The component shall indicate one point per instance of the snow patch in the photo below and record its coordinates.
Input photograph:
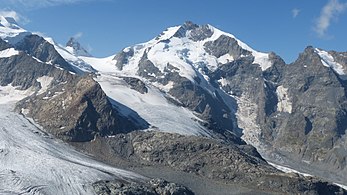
(286, 169)
(262, 59)
(8, 53)
(11, 94)
(45, 81)
(224, 82)
(329, 61)
(225, 59)
(284, 104)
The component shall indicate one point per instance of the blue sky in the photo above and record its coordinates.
(106, 26)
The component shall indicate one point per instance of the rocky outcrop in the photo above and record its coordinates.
(208, 158)
(136, 84)
(76, 110)
(225, 45)
(123, 58)
(196, 32)
(152, 187)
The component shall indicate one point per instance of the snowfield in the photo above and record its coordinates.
(153, 107)
(34, 163)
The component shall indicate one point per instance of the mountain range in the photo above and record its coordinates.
(195, 106)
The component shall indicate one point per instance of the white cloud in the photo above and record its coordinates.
(295, 12)
(330, 12)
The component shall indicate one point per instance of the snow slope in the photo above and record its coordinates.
(329, 61)
(8, 53)
(152, 106)
(34, 163)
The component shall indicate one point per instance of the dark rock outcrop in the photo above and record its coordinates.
(136, 84)
(77, 110)
(152, 187)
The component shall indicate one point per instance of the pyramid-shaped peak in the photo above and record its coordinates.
(74, 47)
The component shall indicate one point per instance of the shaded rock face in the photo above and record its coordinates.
(208, 158)
(39, 48)
(136, 84)
(22, 71)
(152, 187)
(76, 110)
(123, 57)
(225, 45)
(4, 45)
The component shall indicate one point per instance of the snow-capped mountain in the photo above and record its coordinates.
(232, 88)
(142, 105)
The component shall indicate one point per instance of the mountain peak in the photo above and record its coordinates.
(194, 32)
(75, 47)
(9, 22)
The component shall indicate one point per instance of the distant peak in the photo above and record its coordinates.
(75, 48)
(9, 22)
(189, 25)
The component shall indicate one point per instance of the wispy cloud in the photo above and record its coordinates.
(33, 4)
(78, 35)
(329, 12)
(295, 12)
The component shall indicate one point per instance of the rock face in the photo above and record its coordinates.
(310, 121)
(78, 111)
(207, 158)
(152, 187)
(39, 48)
(136, 84)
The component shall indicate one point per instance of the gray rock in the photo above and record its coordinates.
(39, 48)
(208, 158)
(136, 84)
(225, 45)
(196, 32)
(152, 187)
(77, 48)
(77, 110)
(4, 45)
(123, 57)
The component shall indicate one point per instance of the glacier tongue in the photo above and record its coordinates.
(34, 163)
